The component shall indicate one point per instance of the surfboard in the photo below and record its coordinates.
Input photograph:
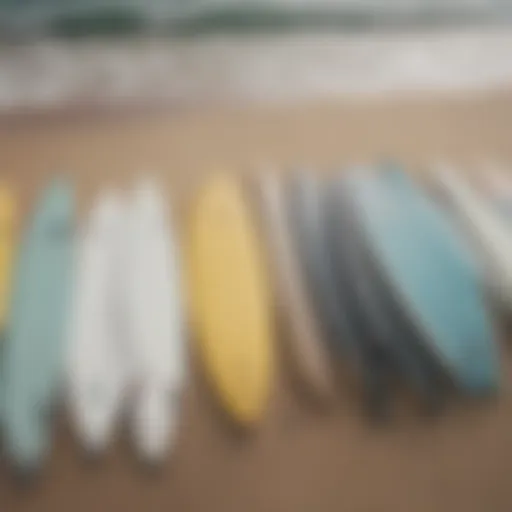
(487, 231)
(303, 337)
(374, 303)
(155, 322)
(8, 218)
(33, 358)
(341, 244)
(428, 267)
(309, 232)
(97, 357)
(230, 299)
(347, 338)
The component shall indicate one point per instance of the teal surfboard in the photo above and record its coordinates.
(429, 269)
(33, 357)
(377, 310)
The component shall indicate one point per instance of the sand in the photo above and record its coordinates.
(299, 459)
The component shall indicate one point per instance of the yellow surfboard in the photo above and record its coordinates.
(7, 228)
(230, 299)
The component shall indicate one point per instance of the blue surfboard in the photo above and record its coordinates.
(430, 271)
(33, 357)
(381, 317)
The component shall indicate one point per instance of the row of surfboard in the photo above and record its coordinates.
(366, 270)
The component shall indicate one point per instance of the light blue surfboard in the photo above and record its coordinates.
(33, 355)
(429, 268)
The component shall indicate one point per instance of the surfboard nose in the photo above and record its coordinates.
(148, 197)
(55, 206)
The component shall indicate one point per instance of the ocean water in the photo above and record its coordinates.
(197, 17)
(230, 68)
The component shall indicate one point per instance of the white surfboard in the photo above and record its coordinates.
(154, 322)
(486, 228)
(97, 363)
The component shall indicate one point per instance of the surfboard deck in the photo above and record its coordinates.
(347, 338)
(376, 362)
(486, 230)
(36, 334)
(344, 339)
(429, 269)
(157, 333)
(303, 337)
(229, 295)
(376, 304)
(97, 360)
